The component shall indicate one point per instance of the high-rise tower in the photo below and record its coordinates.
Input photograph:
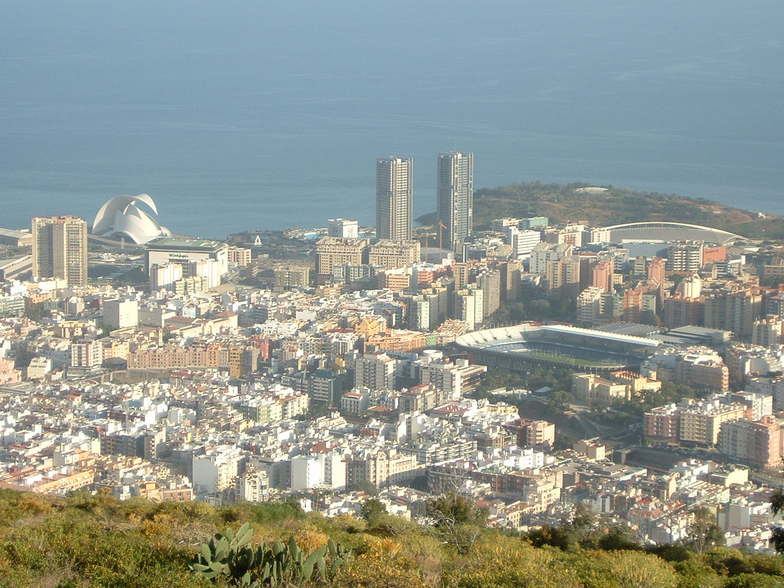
(60, 249)
(455, 197)
(394, 197)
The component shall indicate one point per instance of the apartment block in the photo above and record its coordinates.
(757, 443)
(388, 254)
(334, 251)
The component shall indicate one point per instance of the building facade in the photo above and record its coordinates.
(60, 249)
(455, 197)
(335, 251)
(343, 228)
(388, 254)
(394, 198)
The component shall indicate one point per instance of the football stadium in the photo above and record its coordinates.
(669, 231)
(521, 347)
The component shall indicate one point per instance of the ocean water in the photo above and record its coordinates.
(236, 115)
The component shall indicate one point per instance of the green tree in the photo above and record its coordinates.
(559, 400)
(777, 501)
(703, 533)
(583, 519)
(457, 519)
(372, 509)
(777, 506)
(583, 525)
(561, 537)
(539, 309)
(455, 509)
(617, 538)
(367, 487)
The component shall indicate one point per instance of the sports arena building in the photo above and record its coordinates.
(668, 231)
(523, 346)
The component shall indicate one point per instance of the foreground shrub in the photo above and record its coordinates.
(621, 569)
(754, 581)
(67, 548)
(382, 566)
(228, 558)
(95, 540)
(498, 561)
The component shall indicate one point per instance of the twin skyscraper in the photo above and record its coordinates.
(455, 198)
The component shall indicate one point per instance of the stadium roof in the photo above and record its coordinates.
(668, 231)
(631, 339)
(499, 336)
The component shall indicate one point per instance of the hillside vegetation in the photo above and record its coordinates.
(97, 541)
(568, 203)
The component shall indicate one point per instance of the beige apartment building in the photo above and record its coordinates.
(767, 332)
(563, 276)
(335, 251)
(291, 276)
(381, 468)
(591, 388)
(532, 432)
(702, 373)
(238, 256)
(701, 424)
(757, 443)
(174, 356)
(733, 311)
(388, 254)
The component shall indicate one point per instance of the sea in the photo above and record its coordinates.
(246, 114)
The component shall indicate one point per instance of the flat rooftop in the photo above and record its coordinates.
(691, 335)
(183, 243)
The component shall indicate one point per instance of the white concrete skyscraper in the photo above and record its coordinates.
(394, 197)
(455, 197)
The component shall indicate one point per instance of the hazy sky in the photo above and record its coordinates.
(291, 101)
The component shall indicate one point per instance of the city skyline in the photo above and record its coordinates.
(264, 322)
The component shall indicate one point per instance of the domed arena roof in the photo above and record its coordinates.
(669, 231)
(133, 217)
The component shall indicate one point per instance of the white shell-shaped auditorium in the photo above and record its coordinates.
(130, 217)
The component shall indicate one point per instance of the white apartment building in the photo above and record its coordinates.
(163, 276)
(306, 472)
(543, 253)
(120, 314)
(522, 242)
(469, 307)
(333, 470)
(343, 228)
(590, 305)
(375, 371)
(767, 332)
(451, 378)
(216, 469)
